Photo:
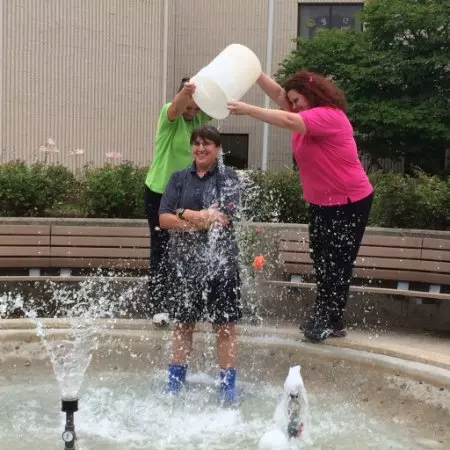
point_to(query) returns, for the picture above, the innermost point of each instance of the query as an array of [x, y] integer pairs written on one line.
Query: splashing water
[[71, 355]]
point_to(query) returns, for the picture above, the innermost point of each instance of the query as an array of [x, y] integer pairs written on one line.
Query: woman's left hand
[[238, 108]]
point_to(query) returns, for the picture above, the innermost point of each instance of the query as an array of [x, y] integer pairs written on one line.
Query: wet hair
[[318, 90], [206, 132], [183, 82]]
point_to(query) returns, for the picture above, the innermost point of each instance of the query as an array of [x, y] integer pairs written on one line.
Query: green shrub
[[274, 197], [33, 189], [114, 191], [402, 201], [419, 201]]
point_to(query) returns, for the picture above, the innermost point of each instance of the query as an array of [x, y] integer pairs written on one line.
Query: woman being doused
[[198, 207]]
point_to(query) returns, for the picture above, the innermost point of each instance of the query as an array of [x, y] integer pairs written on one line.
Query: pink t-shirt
[[330, 170]]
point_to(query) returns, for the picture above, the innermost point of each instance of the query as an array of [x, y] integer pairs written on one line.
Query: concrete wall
[[200, 29], [93, 75], [86, 73]]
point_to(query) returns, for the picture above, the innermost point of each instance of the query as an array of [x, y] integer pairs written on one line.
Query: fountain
[[70, 355], [116, 363], [357, 400]]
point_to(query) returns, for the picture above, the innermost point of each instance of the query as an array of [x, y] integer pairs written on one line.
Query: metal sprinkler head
[[69, 437]]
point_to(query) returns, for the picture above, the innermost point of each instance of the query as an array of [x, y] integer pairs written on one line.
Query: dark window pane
[[311, 18], [343, 16], [235, 150]]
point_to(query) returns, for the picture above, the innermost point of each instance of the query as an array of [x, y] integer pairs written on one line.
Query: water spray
[[69, 437]]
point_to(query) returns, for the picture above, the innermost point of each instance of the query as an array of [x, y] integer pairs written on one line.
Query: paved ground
[[419, 346]]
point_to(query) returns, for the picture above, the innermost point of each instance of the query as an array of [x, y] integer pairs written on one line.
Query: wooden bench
[[392, 265], [98, 247], [25, 248], [37, 252]]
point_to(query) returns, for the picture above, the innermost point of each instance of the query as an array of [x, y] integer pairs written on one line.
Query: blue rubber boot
[[227, 386], [177, 377]]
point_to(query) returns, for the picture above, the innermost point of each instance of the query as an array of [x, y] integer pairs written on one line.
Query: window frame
[[330, 15]]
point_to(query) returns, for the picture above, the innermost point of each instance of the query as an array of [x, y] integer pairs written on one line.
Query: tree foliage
[[396, 77]]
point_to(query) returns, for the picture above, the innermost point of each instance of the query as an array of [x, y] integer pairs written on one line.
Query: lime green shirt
[[172, 147]]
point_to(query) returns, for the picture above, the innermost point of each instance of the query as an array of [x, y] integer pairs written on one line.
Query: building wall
[[200, 29], [93, 74], [86, 73]]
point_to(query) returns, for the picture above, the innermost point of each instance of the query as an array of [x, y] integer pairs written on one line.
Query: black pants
[[159, 240], [335, 234]]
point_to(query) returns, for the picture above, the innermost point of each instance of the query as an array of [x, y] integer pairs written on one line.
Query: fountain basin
[[358, 399]]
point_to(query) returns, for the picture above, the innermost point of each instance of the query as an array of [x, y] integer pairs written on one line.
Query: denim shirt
[[214, 252]]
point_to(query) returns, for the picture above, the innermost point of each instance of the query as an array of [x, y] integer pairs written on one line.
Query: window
[[235, 150], [312, 17]]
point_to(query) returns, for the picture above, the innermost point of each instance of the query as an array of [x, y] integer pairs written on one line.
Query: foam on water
[[128, 410]]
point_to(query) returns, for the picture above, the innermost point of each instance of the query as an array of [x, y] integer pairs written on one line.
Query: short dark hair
[[207, 132], [318, 90], [184, 80]]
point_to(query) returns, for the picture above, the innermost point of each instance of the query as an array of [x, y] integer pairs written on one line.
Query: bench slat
[[24, 251], [369, 239], [24, 263], [436, 244], [396, 252], [99, 252], [64, 230], [27, 240], [73, 279], [392, 241], [402, 275], [378, 274], [298, 269], [435, 255], [294, 246], [95, 263], [434, 266], [25, 230], [371, 262], [292, 235], [366, 289], [87, 241]]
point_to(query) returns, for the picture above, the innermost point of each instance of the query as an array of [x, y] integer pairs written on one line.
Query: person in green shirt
[[177, 120]]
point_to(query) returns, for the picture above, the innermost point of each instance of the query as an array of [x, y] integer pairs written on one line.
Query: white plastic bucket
[[228, 76]]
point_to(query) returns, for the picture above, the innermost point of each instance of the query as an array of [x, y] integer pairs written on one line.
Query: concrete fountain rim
[[274, 336]]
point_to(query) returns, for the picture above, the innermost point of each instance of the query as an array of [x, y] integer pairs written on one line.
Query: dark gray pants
[[158, 246]]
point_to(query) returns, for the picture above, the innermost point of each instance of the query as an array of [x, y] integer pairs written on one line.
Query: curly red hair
[[318, 90]]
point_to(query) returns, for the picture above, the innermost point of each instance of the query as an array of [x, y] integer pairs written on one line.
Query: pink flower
[[76, 152], [113, 155], [49, 146]]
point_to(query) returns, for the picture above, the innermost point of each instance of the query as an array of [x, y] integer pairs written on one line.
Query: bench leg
[[65, 272], [34, 272], [403, 285], [435, 288]]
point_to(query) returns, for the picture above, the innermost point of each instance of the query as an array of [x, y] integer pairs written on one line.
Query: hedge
[[40, 190]]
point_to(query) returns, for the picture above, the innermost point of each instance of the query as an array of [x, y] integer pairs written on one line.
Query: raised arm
[[273, 90], [180, 102]]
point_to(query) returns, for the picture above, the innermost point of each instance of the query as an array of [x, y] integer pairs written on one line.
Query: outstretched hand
[[238, 108], [189, 88]]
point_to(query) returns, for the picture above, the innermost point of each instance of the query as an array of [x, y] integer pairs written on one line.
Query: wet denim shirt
[[203, 250]]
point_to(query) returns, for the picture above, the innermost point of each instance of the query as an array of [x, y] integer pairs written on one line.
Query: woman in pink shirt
[[334, 184]]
